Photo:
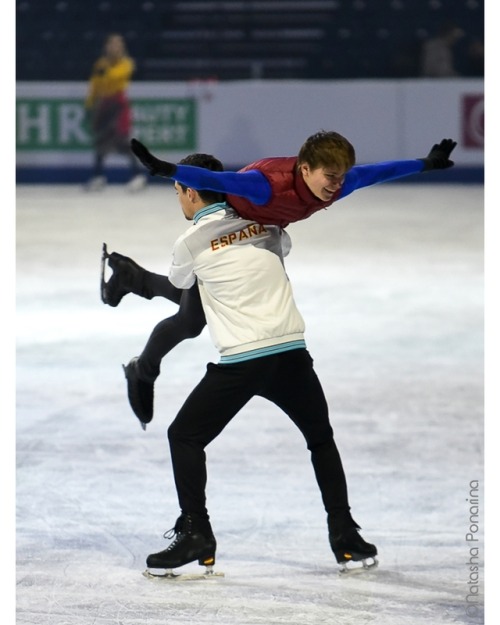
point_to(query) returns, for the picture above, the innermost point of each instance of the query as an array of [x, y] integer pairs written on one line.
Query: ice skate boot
[[140, 393], [96, 183], [193, 540], [128, 277], [348, 546]]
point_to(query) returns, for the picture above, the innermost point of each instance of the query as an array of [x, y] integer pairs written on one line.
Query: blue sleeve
[[366, 175], [252, 184]]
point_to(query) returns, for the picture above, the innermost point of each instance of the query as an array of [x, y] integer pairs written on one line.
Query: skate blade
[[367, 564], [104, 258], [170, 576]]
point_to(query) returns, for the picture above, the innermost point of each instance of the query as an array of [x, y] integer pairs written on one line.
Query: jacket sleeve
[[252, 184], [367, 175], [181, 273]]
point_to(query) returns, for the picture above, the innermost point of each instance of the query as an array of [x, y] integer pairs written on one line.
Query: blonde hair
[[327, 149]]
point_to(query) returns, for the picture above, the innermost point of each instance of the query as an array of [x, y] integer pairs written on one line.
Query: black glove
[[155, 165], [439, 156]]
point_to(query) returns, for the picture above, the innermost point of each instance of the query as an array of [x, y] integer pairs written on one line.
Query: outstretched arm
[[252, 185], [366, 175]]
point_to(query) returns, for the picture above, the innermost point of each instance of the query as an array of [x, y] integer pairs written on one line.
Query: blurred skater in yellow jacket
[[109, 112]]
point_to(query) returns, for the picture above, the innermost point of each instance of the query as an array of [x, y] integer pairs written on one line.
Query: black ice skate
[[140, 393], [194, 540], [127, 277], [348, 546]]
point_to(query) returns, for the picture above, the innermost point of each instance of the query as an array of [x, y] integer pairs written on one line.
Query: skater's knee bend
[[190, 324], [185, 438], [195, 327], [173, 433], [322, 443]]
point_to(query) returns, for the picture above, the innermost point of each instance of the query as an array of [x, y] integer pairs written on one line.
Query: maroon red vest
[[291, 200]]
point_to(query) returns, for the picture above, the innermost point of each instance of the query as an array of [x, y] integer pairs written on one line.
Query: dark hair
[[327, 149], [206, 161]]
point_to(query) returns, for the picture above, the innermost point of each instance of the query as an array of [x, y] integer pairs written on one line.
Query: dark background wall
[[57, 40]]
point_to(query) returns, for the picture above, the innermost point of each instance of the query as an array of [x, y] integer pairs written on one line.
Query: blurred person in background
[[437, 58], [474, 59], [109, 113]]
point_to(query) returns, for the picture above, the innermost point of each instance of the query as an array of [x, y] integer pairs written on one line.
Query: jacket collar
[[207, 210]]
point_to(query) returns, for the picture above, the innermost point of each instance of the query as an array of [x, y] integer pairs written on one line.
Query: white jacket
[[245, 292]]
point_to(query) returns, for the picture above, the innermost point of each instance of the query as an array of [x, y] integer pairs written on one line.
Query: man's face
[[323, 182], [185, 200]]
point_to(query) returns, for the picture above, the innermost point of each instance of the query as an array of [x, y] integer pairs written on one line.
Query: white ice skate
[[137, 183], [171, 575], [97, 183], [362, 566]]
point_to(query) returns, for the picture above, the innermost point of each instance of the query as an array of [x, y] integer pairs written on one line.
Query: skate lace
[[169, 534]]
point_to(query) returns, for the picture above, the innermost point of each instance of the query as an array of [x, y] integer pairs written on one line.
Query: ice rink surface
[[390, 283]]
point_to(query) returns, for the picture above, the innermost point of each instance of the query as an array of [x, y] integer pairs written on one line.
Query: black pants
[[289, 381], [109, 138], [187, 323]]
